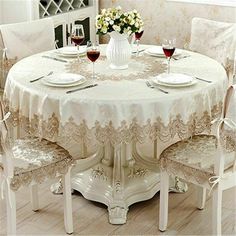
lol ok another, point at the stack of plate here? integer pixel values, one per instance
(71, 51)
(157, 51)
(63, 80)
(174, 80)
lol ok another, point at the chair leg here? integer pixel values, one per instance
(34, 197)
(216, 210)
(68, 218)
(11, 212)
(164, 195)
(201, 197)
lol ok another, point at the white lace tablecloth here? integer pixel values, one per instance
(121, 108)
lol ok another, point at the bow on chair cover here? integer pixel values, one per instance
(214, 180)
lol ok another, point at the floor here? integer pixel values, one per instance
(90, 218)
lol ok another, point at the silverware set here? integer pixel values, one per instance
(204, 80)
(141, 50)
(54, 58)
(78, 89)
(155, 87)
(39, 78)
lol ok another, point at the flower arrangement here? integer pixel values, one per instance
(113, 19)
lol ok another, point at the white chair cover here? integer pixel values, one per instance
(214, 39)
(27, 38)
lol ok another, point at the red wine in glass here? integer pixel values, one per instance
(93, 55)
(77, 40)
(138, 35)
(169, 51)
(168, 46)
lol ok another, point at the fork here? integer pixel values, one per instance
(50, 73)
(153, 87)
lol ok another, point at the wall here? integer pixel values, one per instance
(171, 19)
(14, 11)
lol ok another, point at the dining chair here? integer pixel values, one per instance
(23, 39)
(214, 39)
(208, 161)
(29, 162)
(27, 38)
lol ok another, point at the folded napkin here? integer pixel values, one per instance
(27, 38)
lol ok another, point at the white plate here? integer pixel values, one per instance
(61, 85)
(64, 79)
(157, 51)
(71, 51)
(174, 78)
(161, 80)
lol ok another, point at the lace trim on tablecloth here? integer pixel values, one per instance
(5, 66)
(145, 67)
(127, 132)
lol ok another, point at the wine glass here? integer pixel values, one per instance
(77, 36)
(168, 46)
(93, 53)
(138, 36)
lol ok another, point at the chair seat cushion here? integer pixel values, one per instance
(35, 160)
(193, 159)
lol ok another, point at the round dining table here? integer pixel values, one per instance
(116, 129)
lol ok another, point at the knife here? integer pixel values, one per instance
(208, 81)
(54, 58)
(86, 87)
(141, 50)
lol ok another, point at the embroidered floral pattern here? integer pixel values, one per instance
(5, 66)
(145, 67)
(53, 130)
(35, 161)
(193, 159)
(228, 140)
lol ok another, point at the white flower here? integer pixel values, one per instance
(103, 11)
(99, 26)
(132, 22)
(137, 25)
(113, 19)
(104, 30)
(116, 28)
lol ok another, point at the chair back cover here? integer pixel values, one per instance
(27, 38)
(214, 39)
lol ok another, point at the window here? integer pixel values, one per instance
(229, 3)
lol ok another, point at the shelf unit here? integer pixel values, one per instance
(65, 13)
(54, 7)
